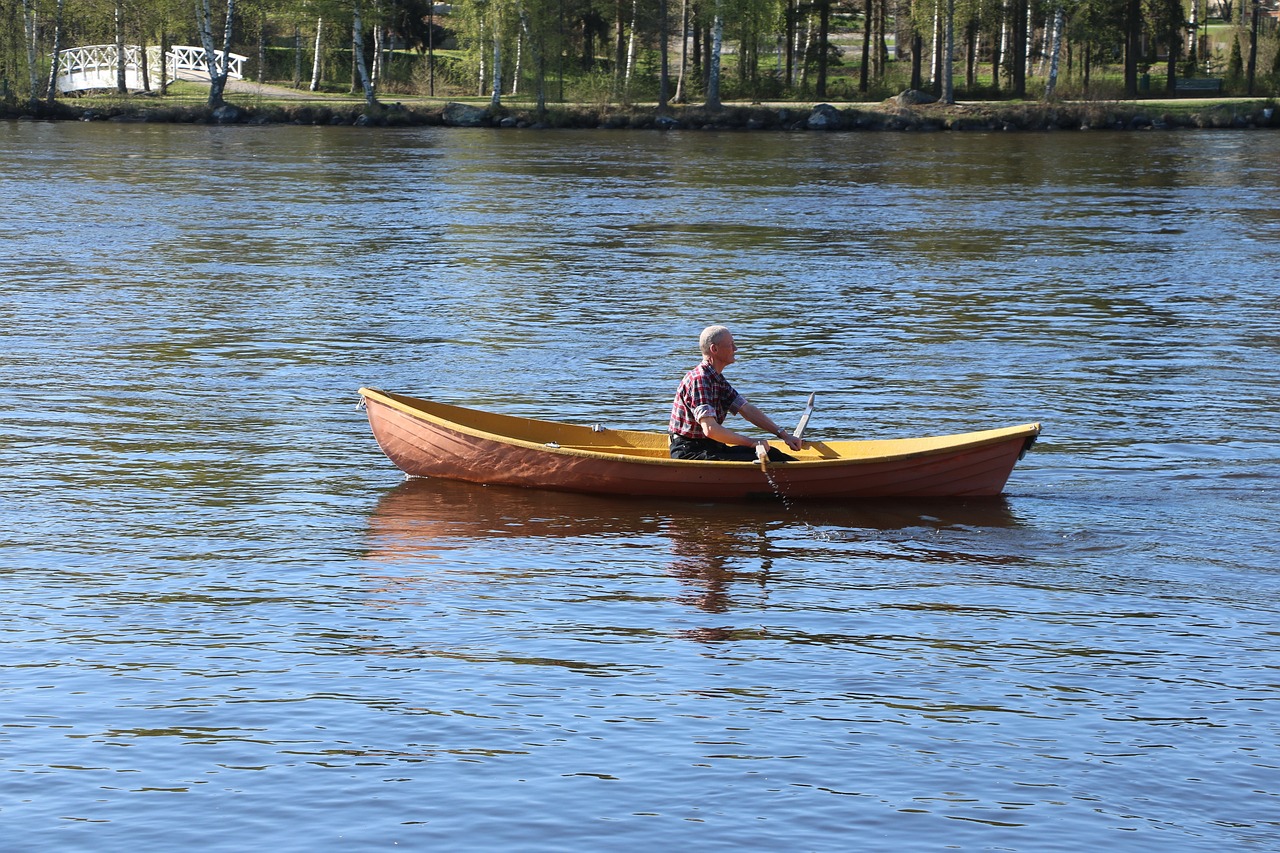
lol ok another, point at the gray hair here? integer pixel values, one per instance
(711, 335)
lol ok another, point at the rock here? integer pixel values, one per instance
(464, 115)
(666, 123)
(824, 117)
(226, 114)
(913, 97)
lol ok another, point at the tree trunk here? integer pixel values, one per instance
(681, 95)
(1000, 47)
(865, 71)
(664, 73)
(29, 31)
(122, 85)
(1253, 47)
(519, 69)
(1055, 49)
(496, 99)
(631, 43)
(824, 47)
(935, 64)
(357, 51)
(619, 48)
(948, 53)
(217, 80)
(143, 66)
(164, 61)
(315, 63)
(1132, 45)
(52, 94)
(1018, 48)
(917, 48)
(713, 61)
(297, 56)
(431, 48)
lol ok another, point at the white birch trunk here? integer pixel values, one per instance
(684, 51)
(1031, 35)
(934, 70)
(1055, 50)
(29, 31)
(717, 44)
(315, 64)
(357, 48)
(52, 93)
(1004, 33)
(122, 85)
(496, 100)
(631, 42)
(515, 72)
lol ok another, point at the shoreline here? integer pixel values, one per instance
(908, 112)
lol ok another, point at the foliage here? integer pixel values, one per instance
(609, 52)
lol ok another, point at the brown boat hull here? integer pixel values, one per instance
(422, 441)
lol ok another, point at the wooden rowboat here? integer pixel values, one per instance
(427, 439)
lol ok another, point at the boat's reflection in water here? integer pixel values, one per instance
(708, 547)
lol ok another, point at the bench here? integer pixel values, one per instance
(1197, 86)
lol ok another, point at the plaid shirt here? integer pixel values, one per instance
(702, 392)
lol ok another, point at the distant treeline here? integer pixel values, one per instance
(697, 51)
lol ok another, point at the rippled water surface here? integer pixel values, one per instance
(231, 624)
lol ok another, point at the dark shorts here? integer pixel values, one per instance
(706, 449)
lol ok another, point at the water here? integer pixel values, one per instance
(231, 623)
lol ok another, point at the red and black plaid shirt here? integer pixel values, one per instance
(702, 392)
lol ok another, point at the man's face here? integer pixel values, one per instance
(725, 350)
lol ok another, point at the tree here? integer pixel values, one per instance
(358, 57)
(57, 51)
(824, 46)
(1055, 48)
(949, 53)
(29, 27)
(218, 68)
(713, 61)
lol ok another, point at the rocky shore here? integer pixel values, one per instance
(907, 112)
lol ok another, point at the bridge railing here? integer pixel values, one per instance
(94, 66)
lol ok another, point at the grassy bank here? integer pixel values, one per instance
(252, 104)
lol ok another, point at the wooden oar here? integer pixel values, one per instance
(762, 451)
(804, 418)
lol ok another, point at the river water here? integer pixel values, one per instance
(230, 622)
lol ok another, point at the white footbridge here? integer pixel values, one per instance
(95, 66)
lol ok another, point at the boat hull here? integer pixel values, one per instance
(426, 439)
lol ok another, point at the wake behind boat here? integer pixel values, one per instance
(428, 439)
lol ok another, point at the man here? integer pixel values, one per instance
(703, 400)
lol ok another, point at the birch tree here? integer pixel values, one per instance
(29, 30)
(357, 51)
(1055, 48)
(122, 86)
(713, 61)
(315, 63)
(57, 53)
(680, 96)
(217, 66)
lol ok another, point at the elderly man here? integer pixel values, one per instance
(703, 400)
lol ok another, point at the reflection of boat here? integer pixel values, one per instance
(420, 511)
(426, 439)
